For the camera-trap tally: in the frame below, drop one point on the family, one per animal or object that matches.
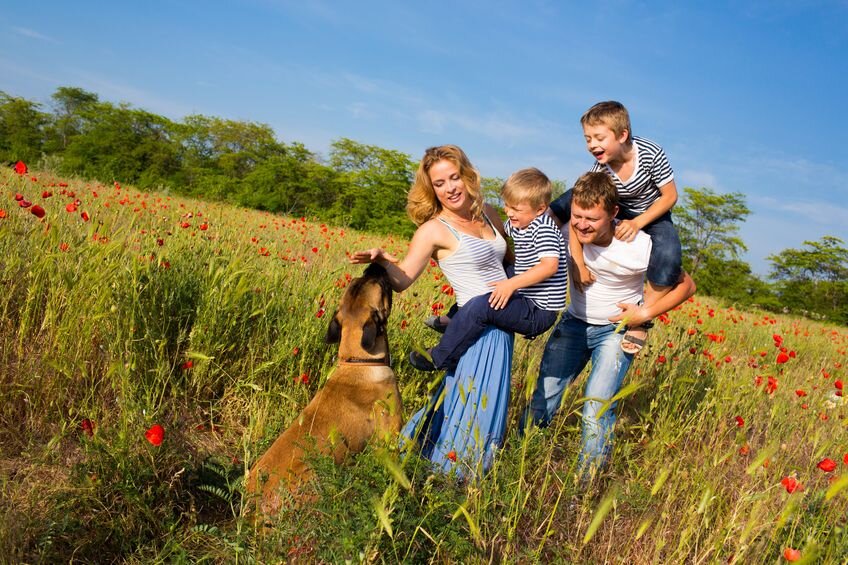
(614, 224)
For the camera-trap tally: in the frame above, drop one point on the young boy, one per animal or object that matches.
(527, 303)
(645, 184)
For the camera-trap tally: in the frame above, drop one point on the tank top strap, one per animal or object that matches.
(451, 228)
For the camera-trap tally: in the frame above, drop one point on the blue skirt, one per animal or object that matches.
(464, 422)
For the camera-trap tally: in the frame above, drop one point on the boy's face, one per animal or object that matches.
(521, 214)
(603, 144)
(592, 225)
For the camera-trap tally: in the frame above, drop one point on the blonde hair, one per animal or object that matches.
(530, 186)
(611, 114)
(592, 189)
(421, 202)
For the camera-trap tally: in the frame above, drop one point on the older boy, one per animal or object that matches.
(587, 330)
(646, 190)
(527, 303)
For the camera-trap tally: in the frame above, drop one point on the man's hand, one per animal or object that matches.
(632, 314)
(501, 293)
(626, 230)
(580, 276)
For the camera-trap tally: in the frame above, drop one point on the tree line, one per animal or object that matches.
(364, 187)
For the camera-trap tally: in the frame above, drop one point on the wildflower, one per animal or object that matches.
(295, 351)
(37, 211)
(204, 226)
(314, 250)
(24, 203)
(791, 554)
(827, 465)
(740, 421)
(744, 450)
(64, 247)
(303, 379)
(691, 331)
(791, 484)
(20, 168)
(845, 459)
(771, 385)
(800, 393)
(46, 194)
(187, 365)
(2, 213)
(452, 455)
(320, 313)
(661, 359)
(84, 216)
(87, 426)
(782, 358)
(155, 434)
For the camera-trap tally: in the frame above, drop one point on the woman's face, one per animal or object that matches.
(448, 185)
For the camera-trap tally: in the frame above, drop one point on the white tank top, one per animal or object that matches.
(475, 263)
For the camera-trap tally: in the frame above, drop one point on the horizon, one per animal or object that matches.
(735, 113)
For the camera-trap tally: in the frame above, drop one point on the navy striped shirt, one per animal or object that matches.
(541, 238)
(651, 171)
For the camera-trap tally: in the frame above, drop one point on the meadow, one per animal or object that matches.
(152, 347)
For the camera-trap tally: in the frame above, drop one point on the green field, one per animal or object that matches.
(122, 310)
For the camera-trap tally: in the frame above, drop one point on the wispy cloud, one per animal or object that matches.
(696, 179)
(26, 32)
(799, 212)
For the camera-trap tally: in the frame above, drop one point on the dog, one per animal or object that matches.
(360, 399)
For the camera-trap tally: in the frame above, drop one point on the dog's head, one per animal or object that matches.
(364, 309)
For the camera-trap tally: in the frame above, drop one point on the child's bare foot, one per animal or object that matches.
(634, 339)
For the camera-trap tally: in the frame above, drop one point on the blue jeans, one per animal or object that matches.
(520, 315)
(572, 344)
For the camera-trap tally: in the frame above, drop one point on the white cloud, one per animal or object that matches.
(26, 32)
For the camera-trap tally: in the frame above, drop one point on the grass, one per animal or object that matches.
(209, 320)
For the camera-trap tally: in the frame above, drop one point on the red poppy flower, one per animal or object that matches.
(452, 455)
(37, 211)
(782, 358)
(845, 459)
(827, 465)
(155, 434)
(204, 226)
(744, 450)
(71, 208)
(691, 331)
(2, 213)
(295, 351)
(838, 384)
(661, 359)
(46, 194)
(320, 313)
(791, 484)
(20, 168)
(24, 203)
(791, 554)
(740, 421)
(84, 216)
(800, 393)
(87, 426)
(64, 247)
(771, 385)
(187, 365)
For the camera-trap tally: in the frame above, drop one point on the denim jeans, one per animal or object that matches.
(572, 344)
(520, 315)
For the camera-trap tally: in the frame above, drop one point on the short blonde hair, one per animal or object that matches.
(421, 202)
(592, 189)
(611, 114)
(530, 186)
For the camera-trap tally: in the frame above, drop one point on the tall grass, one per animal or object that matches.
(209, 320)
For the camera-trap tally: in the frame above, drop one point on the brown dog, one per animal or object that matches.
(360, 398)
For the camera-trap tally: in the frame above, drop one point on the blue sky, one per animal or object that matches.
(744, 96)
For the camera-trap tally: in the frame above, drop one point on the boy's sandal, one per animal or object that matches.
(630, 343)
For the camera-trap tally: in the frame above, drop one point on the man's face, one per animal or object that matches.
(592, 225)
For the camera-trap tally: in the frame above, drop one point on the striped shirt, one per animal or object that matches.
(541, 238)
(650, 172)
(475, 263)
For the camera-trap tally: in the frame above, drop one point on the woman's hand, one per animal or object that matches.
(631, 314)
(373, 255)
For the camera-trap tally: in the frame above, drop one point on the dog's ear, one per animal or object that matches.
(334, 331)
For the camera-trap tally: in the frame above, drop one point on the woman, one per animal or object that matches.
(465, 420)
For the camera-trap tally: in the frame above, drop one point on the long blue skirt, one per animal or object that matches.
(464, 421)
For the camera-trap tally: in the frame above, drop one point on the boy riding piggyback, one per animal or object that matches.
(645, 185)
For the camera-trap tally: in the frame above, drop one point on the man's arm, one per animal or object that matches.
(635, 315)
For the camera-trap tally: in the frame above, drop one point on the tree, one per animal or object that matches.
(708, 224)
(374, 184)
(21, 129)
(68, 104)
(814, 278)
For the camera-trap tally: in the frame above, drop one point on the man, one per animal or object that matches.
(587, 330)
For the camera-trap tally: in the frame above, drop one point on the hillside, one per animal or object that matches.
(123, 311)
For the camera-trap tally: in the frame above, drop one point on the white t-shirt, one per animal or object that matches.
(619, 271)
